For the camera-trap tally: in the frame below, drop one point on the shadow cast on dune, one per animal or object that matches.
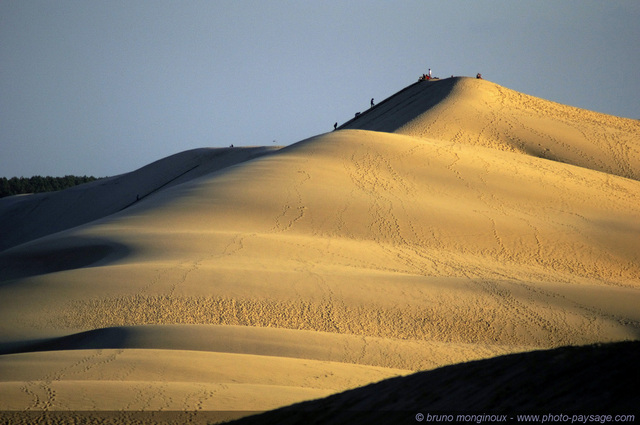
(402, 107)
(115, 337)
(68, 253)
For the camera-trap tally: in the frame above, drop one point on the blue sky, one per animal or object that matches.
(105, 87)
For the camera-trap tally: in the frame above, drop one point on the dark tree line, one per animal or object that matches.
(38, 184)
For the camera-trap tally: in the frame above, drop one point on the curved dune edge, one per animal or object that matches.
(152, 379)
(275, 342)
(40, 257)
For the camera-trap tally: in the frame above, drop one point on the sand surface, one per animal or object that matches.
(456, 220)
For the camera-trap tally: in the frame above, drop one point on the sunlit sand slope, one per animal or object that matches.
(356, 254)
(478, 112)
(173, 379)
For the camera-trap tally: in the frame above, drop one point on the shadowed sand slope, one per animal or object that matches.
(342, 260)
(478, 112)
(564, 382)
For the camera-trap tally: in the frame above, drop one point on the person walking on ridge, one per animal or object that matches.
(372, 102)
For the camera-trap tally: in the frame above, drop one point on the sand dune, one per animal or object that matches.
(435, 233)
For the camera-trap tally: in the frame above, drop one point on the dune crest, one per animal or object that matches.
(478, 112)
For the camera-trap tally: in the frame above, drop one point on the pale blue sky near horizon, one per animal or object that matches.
(104, 87)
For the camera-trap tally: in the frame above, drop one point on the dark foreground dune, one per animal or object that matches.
(595, 380)
(587, 384)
